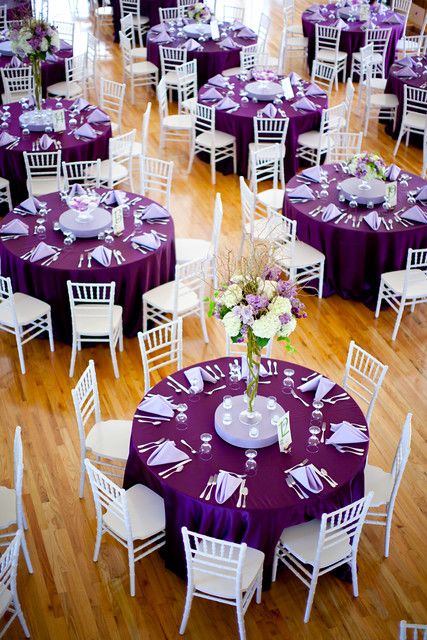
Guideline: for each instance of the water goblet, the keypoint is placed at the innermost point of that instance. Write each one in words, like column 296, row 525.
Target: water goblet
column 341, row 197
column 101, row 235
column 271, row 403
column 370, row 204
column 40, row 228
column 353, row 201
column 227, row 402
column 6, row 111
column 25, row 130
column 275, row 420
column 137, row 222
column 235, row 375
column 181, row 418
column 324, row 190
column 205, row 450
column 109, row 238
column 251, row 463
column 411, row 198
column 68, row 239
column 194, row 391
column 317, row 415
column 313, row 444
column 56, row 226
column 288, row 383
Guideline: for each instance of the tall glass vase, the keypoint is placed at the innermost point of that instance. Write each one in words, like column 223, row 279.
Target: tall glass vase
column 253, row 352
column 36, row 66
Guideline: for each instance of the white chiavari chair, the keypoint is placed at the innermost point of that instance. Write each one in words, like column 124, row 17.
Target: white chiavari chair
column 402, row 8
column 95, row 318
column 414, row 114
column 141, row 73
column 221, row 571
column 248, row 58
column 184, row 6
column 107, row 440
column 348, row 101
column 378, row 105
column 207, row 139
column 160, row 347
column 102, row 12
column 256, row 223
column 170, row 59
column 17, row 83
column 8, row 590
column 168, row 13
column 263, row 30
column 316, row 547
column 364, row 70
column 5, row 193
column 289, row 17
column 111, row 100
column 232, row 13
column 312, row 145
column 92, row 45
column 127, row 28
column 412, row 629
column 141, row 24
column 413, row 45
column 342, row 145
column 3, row 17
column 186, row 76
column 84, row 172
column 118, row 167
column 181, row 298
column 267, row 132
column 327, row 43
column 407, row 287
column 156, row 179
column 363, row 376
column 385, row 485
column 137, row 514
column 380, row 39
column 43, row 171
column 323, row 75
column 140, row 148
column 291, row 42
column 266, row 166
column 173, row 128
column 65, row 31
column 75, row 84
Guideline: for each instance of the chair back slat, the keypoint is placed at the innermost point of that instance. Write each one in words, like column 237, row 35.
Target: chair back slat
column 168, row 13
column 160, row 347
column 9, row 567
column 107, row 495
column 156, row 178
column 364, row 375
column 265, row 165
column 171, row 58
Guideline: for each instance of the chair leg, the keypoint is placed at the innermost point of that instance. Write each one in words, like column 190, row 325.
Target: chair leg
column 144, row 315
column 114, row 359
column 20, row 616
column 98, row 538
column 398, row 319
column 241, row 621
column 24, row 520
column 259, row 590
column 26, row 553
column 121, row 338
column 73, row 355
column 413, row 306
column 234, row 158
column 203, row 322
column 20, row 350
column 213, row 167
column 50, row 332
column 387, row 535
column 131, row 557
column 275, row 563
column 398, row 141
column 310, row 597
column 379, row 299
column 354, row 576
column 187, row 608
column 321, row 271
column 82, row 477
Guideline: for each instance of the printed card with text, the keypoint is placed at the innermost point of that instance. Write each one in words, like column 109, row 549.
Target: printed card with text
column 284, row 433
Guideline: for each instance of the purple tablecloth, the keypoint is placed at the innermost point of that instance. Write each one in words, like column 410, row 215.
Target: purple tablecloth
column 133, row 278
column 356, row 257
column 240, row 124
column 271, row 504
column 149, row 8
column 12, row 164
column 396, row 85
column 212, row 59
column 352, row 38
column 17, row 9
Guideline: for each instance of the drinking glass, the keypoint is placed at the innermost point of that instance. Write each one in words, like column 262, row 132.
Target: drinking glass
column 317, row 415
column 40, row 228
column 234, row 375
column 251, row 463
column 227, row 419
column 227, row 402
column 109, row 238
column 194, row 391
column 68, row 239
column 181, row 418
column 353, row 201
column 288, row 383
column 313, row 444
column 205, row 450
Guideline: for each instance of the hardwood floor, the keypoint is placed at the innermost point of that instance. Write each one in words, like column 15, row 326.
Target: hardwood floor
column 69, row 596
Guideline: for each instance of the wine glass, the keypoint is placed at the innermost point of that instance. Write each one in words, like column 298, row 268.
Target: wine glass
column 137, row 222
column 353, row 201
column 181, row 418
column 317, row 415
column 205, row 450
column 194, row 390
column 109, row 238
column 313, row 443
column 235, row 375
column 68, row 239
column 288, row 383
column 40, row 228
column 271, row 403
column 251, row 463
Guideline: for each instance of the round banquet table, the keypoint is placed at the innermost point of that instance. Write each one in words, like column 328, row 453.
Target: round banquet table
column 271, row 504
column 211, row 59
column 240, row 124
column 396, row 84
column 356, row 257
column 352, row 38
column 139, row 273
column 16, row 9
column 12, row 164
column 149, row 8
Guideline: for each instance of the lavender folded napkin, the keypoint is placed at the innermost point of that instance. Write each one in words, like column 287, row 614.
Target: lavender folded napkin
column 160, row 28
column 6, row 138
column 345, row 433
column 45, row 142
column 269, row 110
column 31, row 204
column 301, row 193
column 42, row 250
column 312, row 173
column 393, row 19
column 218, row 81
column 245, row 370
column 406, row 72
column 313, row 7
column 97, row 116
column 307, row 477
column 114, row 197
column 320, row 385
column 86, row 131
column 16, row 63
column 52, row 57
column 80, row 104
column 157, row 405
column 148, row 240
column 422, row 195
column 192, row 45
column 340, row 24
column 76, row 190
column 17, row 227
column 237, row 26
column 294, row 77
column 373, row 220
column 247, row 33
column 163, row 37
column 415, row 214
column 228, row 43
column 65, row 46
column 392, row 172
column 226, row 486
column 166, row 453
column 102, row 255
column 315, row 16
column 211, row 94
column 155, row 212
column 200, row 376
column 330, row 212
column 305, row 104
column 226, row 103
column 407, row 61
column 314, row 90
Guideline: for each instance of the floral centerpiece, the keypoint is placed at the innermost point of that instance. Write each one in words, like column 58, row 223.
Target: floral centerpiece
column 34, row 40
column 368, row 166
column 83, row 203
column 264, row 75
column 255, row 305
column 199, row 12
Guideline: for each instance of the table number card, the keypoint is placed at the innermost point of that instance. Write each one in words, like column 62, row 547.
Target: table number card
column 214, row 30
column 284, row 433
column 391, row 194
column 59, row 120
column 117, row 220
column 288, row 92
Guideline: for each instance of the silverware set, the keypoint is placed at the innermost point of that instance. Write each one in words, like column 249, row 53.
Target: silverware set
column 291, row 482
column 344, row 448
column 142, row 448
column 243, row 492
column 14, row 143
column 52, row 258
column 176, row 468
column 207, row 491
column 185, row 443
column 297, row 397
column 209, row 393
column 337, row 398
column 151, row 417
column 118, row 256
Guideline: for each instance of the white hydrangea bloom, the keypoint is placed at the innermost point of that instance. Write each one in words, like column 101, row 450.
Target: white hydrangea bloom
column 232, row 324
column 267, row 288
column 231, row 296
column 280, row 306
column 288, row 328
column 267, row 326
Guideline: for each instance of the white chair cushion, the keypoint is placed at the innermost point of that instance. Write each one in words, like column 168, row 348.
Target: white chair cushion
column 187, row 249
column 42, row 186
column 16, row 96
column 218, row 586
column 178, row 122
column 141, row 68
column 62, row 89
column 171, row 78
column 295, row 28
column 104, row 11
column 217, row 139
column 380, row 482
column 263, row 228
column 327, row 55
column 271, row 198
column 110, row 439
column 415, row 120
column 140, row 20
column 302, row 541
column 417, row 282
column 378, row 83
column 232, row 71
column 188, row 104
column 297, row 42
column 7, row 507
column 303, row 256
column 162, row 298
column 146, row 514
column 388, row 100
column 119, row 171
column 27, row 309
column 377, row 58
column 312, row 140
column 5, row 601
column 139, row 52
column 93, row 320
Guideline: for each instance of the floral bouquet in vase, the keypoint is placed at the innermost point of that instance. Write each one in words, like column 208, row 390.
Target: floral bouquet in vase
column 199, row 12
column 255, row 305
column 367, row 166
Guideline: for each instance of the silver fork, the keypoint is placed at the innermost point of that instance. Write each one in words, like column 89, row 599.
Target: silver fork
column 208, row 484
column 300, row 464
column 297, row 397
column 209, row 393
column 211, row 371
column 335, row 401
column 214, row 481
column 345, row 449
column 148, row 444
column 219, row 371
column 293, row 485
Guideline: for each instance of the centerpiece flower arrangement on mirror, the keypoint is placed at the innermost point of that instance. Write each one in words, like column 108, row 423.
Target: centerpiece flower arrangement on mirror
column 256, row 304
column 199, row 12
column 367, row 166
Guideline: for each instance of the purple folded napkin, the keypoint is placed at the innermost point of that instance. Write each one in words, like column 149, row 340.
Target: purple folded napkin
column 269, row 110
column 155, row 212
column 6, row 138
column 313, row 7
column 314, row 90
column 97, row 116
column 406, row 72
column 163, row 37
column 315, row 16
column 228, row 43
column 42, row 250
column 86, row 131
column 148, row 240
column 237, row 26
column 345, row 433
column 192, row 45
column 330, row 212
column 76, row 190
column 393, row 19
column 368, row 25
column 301, row 193
column 320, row 385
column 308, row 477
column 247, row 33
column 32, row 205
column 16, row 63
column 166, row 453
column 245, row 370
column 45, row 142
column 102, row 255
column 294, row 78
column 415, row 214
column 80, row 104
column 226, row 486
column 52, row 57
column 305, row 104
column 218, row 81
column 226, row 103
column 392, row 172
column 160, row 28
column 157, row 405
column 211, row 94
column 65, row 46
column 422, row 195
column 16, row 227
column 114, row 197
column 200, row 376
column 312, row 173
column 340, row 24
column 407, row 61
column 373, row 220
